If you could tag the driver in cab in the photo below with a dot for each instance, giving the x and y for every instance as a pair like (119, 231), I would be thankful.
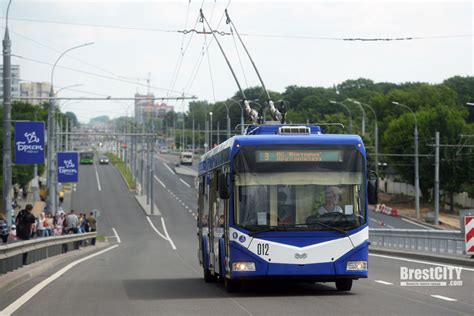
(332, 198)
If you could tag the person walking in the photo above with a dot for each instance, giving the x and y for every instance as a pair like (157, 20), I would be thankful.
(24, 222)
(92, 225)
(72, 223)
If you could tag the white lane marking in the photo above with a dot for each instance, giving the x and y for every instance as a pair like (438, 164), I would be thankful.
(169, 168)
(420, 261)
(162, 184)
(155, 229)
(97, 176)
(116, 235)
(445, 298)
(383, 282)
(28, 295)
(415, 223)
(162, 159)
(167, 235)
(380, 223)
(184, 182)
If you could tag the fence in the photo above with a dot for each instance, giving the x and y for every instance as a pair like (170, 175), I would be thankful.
(18, 254)
(450, 242)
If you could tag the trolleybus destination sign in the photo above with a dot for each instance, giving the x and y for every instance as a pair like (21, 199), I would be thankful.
(299, 155)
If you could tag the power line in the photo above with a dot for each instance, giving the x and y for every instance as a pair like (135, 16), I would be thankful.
(288, 36)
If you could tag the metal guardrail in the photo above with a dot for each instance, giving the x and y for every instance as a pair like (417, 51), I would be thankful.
(18, 254)
(449, 242)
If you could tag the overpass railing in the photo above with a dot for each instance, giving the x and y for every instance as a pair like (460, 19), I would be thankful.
(17, 254)
(448, 242)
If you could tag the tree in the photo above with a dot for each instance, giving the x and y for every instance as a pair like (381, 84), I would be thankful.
(455, 170)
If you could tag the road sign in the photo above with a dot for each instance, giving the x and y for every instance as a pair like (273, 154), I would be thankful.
(469, 234)
(68, 167)
(29, 143)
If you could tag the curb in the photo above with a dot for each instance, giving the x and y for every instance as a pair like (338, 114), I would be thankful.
(424, 256)
(422, 222)
(144, 208)
(17, 277)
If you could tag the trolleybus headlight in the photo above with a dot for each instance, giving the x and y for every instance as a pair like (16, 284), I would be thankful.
(356, 266)
(243, 266)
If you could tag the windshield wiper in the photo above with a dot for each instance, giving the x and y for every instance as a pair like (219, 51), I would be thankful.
(269, 229)
(327, 226)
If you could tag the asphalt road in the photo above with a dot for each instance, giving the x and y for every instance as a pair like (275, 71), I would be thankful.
(144, 275)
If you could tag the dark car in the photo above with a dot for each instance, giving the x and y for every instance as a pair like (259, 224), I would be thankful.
(104, 160)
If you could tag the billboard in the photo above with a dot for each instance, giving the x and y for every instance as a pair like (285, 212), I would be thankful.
(29, 143)
(68, 167)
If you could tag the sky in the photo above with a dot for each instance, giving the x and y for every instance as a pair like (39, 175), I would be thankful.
(291, 42)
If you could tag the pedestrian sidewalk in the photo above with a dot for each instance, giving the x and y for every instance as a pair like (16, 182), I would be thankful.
(39, 206)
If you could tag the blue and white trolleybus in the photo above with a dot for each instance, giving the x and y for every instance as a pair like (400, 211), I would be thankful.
(285, 202)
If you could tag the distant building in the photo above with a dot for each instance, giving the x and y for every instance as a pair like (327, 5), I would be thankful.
(15, 81)
(35, 90)
(145, 106)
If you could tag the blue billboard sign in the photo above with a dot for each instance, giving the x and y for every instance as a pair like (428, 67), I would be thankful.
(29, 143)
(68, 167)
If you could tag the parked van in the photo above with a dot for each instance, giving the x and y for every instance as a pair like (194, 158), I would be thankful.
(186, 158)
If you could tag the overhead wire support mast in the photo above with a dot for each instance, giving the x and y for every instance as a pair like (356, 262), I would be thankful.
(253, 115)
(276, 115)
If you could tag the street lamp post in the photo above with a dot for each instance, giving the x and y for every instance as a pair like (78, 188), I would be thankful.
(210, 132)
(348, 110)
(417, 176)
(228, 120)
(7, 109)
(241, 115)
(376, 134)
(363, 115)
(52, 137)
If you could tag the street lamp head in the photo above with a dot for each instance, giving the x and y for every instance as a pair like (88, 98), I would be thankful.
(333, 102)
(470, 103)
(210, 113)
(395, 102)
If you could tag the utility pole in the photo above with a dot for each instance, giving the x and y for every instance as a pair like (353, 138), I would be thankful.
(218, 133)
(417, 175)
(51, 155)
(193, 135)
(7, 109)
(436, 188)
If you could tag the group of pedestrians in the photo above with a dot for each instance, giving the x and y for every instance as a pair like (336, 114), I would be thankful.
(28, 226)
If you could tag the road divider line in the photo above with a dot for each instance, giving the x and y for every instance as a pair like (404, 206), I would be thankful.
(160, 182)
(383, 282)
(168, 167)
(380, 223)
(97, 176)
(13, 307)
(167, 235)
(116, 235)
(162, 159)
(415, 223)
(445, 298)
(420, 261)
(155, 229)
(184, 182)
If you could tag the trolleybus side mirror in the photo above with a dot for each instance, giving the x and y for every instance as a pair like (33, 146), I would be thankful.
(223, 187)
(373, 188)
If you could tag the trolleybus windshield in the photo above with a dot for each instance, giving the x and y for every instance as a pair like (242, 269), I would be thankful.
(300, 188)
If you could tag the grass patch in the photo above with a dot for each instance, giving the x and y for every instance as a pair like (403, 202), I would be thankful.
(120, 165)
(100, 238)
